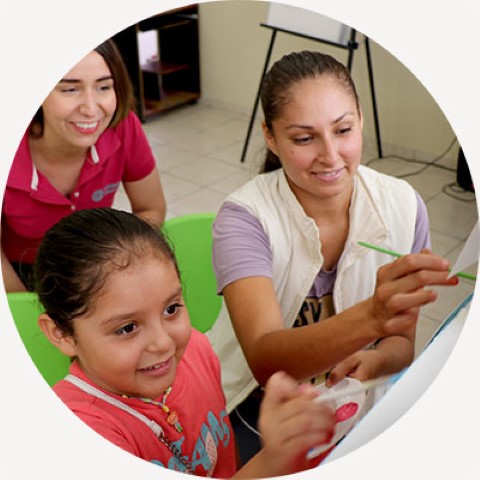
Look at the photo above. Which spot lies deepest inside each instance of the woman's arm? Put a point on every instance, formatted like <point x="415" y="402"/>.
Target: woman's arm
<point x="147" y="198"/>
<point x="391" y="354"/>
<point x="268" y="346"/>
<point x="11" y="280"/>
<point x="306" y="351"/>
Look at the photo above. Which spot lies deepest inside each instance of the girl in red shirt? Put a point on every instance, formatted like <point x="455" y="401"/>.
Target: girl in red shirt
<point x="141" y="377"/>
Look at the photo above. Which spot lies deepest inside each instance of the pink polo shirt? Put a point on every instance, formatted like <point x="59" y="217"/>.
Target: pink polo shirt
<point x="31" y="205"/>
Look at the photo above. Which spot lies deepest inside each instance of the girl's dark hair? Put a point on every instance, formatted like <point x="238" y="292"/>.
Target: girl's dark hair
<point x="77" y="255"/>
<point x="284" y="75"/>
<point x="121" y="84"/>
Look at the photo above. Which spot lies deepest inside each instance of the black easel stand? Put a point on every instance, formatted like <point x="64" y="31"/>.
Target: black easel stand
<point x="374" y="102"/>
<point x="351" y="46"/>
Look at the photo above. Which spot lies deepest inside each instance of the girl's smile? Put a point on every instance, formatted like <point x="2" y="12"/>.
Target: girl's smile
<point x="161" y="368"/>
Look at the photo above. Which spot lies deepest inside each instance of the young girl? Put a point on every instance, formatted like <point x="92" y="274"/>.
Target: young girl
<point x="141" y="376"/>
<point x="81" y="145"/>
<point x="288" y="242"/>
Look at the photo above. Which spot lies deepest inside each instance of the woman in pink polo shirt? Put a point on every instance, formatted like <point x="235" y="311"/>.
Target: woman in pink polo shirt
<point x="82" y="144"/>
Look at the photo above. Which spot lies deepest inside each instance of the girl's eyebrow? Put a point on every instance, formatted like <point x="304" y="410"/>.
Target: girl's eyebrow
<point x="118" y="318"/>
<point x="74" y="80"/>
<point x="175" y="295"/>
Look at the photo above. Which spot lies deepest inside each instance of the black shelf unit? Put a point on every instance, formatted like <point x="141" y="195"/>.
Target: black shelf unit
<point x="173" y="78"/>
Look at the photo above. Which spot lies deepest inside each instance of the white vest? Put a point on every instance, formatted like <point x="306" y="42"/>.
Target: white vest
<point x="383" y="212"/>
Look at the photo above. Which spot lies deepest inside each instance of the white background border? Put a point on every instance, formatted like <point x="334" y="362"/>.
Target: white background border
<point x="437" y="41"/>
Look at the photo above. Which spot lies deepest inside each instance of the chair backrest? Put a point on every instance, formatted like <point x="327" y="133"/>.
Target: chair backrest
<point x="191" y="239"/>
<point x="190" y="236"/>
<point x="51" y="363"/>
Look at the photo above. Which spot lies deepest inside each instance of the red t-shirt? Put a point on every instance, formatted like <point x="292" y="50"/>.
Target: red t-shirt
<point x="30" y="208"/>
<point x="196" y="396"/>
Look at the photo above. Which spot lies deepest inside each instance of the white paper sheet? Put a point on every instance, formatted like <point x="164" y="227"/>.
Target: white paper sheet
<point x="469" y="254"/>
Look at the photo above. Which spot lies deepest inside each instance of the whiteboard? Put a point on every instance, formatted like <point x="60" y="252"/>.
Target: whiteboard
<point x="409" y="387"/>
<point x="308" y="23"/>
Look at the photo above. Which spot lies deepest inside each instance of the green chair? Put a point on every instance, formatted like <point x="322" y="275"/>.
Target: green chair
<point x="190" y="237"/>
<point x="51" y="363"/>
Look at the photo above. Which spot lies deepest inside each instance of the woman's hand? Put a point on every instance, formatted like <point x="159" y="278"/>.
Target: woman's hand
<point x="401" y="291"/>
<point x="147" y="198"/>
<point x="390" y="355"/>
<point x="11" y="280"/>
<point x="362" y="365"/>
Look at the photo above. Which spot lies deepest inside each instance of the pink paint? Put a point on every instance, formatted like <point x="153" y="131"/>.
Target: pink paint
<point x="346" y="411"/>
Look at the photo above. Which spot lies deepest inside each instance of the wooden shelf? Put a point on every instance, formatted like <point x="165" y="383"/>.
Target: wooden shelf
<point x="164" y="68"/>
<point x="169" y="100"/>
<point x="173" y="79"/>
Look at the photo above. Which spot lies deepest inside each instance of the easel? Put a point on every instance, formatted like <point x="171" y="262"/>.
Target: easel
<point x="351" y="46"/>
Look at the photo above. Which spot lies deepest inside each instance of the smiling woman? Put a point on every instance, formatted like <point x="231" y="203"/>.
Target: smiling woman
<point x="301" y="295"/>
<point x="81" y="145"/>
<point x="81" y="106"/>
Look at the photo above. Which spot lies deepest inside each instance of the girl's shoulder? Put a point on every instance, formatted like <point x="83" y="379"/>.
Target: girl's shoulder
<point x="116" y="425"/>
<point x="200" y="357"/>
<point x="199" y="345"/>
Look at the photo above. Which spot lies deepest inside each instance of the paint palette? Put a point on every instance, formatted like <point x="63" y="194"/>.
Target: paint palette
<point x="348" y="396"/>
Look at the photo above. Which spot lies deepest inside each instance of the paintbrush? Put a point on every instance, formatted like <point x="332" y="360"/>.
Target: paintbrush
<point x="465" y="275"/>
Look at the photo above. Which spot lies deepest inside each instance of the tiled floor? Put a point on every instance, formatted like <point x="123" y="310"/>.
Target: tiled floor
<point x="198" y="148"/>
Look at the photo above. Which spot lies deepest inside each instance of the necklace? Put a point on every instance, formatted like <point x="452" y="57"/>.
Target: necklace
<point x="154" y="426"/>
<point x="172" y="416"/>
<point x="176" y="452"/>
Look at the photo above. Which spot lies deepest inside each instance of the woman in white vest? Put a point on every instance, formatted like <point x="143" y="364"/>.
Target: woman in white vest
<point x="286" y="250"/>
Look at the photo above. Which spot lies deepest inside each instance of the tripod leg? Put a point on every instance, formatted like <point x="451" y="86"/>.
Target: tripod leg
<point x="374" y="101"/>
<point x="257" y="99"/>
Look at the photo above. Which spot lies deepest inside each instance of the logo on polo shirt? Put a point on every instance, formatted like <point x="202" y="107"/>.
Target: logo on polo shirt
<point x="99" y="194"/>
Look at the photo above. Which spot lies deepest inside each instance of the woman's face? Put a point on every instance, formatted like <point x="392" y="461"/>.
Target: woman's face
<point x="318" y="138"/>
<point x="81" y="105"/>
<point x="134" y="338"/>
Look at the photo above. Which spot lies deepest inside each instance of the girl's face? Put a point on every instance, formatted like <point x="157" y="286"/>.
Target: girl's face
<point x="318" y="138"/>
<point x="81" y="105"/>
<point x="134" y="338"/>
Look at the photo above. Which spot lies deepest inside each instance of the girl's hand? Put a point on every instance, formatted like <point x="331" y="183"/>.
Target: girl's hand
<point x="291" y="423"/>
